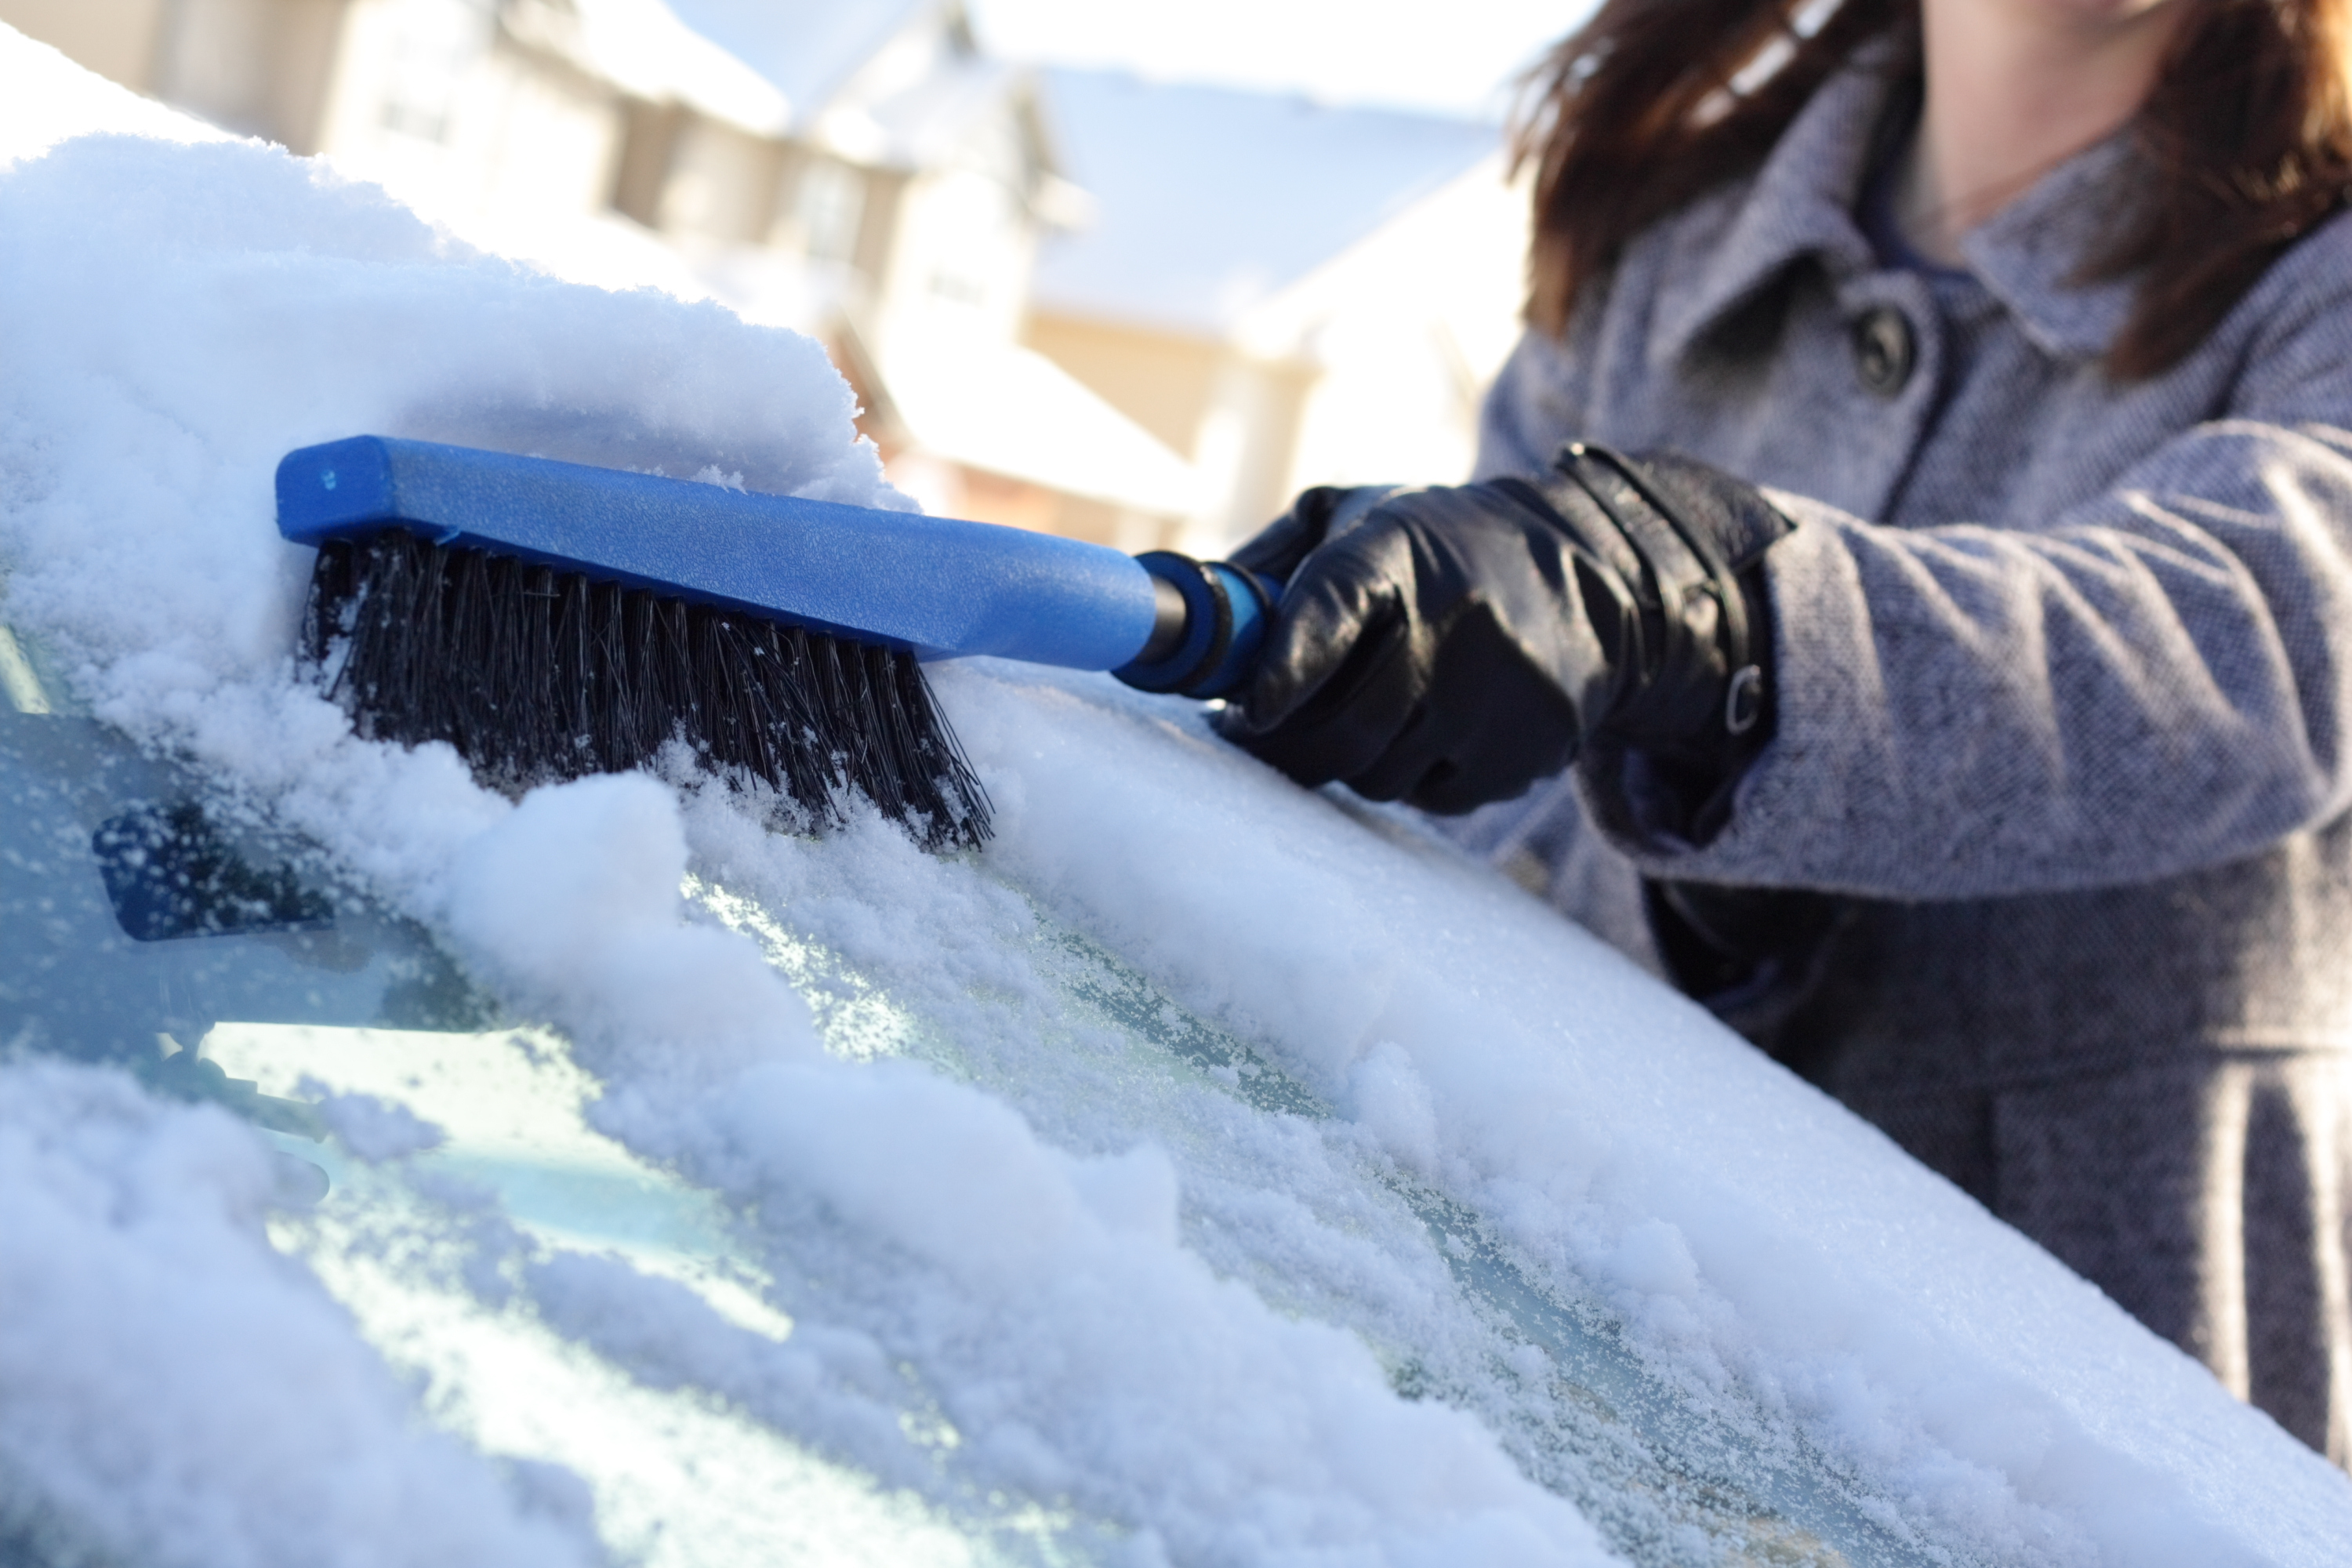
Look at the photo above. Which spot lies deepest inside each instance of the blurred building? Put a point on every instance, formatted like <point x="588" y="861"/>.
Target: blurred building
<point x="1073" y="303"/>
<point x="1288" y="294"/>
<point x="899" y="218"/>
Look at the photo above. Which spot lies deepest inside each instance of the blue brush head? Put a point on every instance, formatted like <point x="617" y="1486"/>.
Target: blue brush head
<point x="549" y="620"/>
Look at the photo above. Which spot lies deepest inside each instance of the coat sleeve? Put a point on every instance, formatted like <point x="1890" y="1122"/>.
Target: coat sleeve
<point x="2158" y="681"/>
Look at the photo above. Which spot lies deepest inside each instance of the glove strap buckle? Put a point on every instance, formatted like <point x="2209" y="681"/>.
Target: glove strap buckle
<point x="1743" y="699"/>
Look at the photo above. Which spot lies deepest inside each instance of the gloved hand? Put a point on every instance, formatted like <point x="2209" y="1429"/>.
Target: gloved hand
<point x="1456" y="645"/>
<point x="1316" y="515"/>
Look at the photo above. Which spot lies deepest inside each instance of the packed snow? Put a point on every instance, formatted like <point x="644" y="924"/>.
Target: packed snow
<point x="1132" y="1167"/>
<point x="173" y="1392"/>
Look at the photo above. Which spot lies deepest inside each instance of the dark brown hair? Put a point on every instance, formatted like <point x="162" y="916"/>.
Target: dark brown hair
<point x="2247" y="134"/>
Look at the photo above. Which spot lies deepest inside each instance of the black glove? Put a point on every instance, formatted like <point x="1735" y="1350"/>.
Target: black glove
<point x="1450" y="647"/>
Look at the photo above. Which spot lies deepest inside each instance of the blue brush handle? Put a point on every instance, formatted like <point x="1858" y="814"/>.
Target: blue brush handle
<point x="940" y="587"/>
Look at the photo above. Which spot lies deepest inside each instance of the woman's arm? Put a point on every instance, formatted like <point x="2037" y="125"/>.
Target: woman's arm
<point x="2158" y="681"/>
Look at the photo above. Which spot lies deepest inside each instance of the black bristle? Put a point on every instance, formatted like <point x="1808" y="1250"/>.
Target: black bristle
<point x="537" y="675"/>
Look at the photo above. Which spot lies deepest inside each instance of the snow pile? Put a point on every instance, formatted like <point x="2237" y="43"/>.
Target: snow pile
<point x="1078" y="1349"/>
<point x="173" y="1393"/>
<point x="376" y="1129"/>
<point x="179" y="316"/>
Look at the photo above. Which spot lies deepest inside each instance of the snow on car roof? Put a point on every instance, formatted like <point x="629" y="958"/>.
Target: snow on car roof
<point x="1225" y="1319"/>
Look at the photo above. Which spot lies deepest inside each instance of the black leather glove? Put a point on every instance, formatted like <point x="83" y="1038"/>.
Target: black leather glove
<point x="1450" y="647"/>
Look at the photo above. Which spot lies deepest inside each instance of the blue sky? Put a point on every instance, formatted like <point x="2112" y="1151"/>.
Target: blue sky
<point x="1456" y="57"/>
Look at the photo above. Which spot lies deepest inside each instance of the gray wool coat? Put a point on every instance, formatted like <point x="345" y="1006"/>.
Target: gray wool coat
<point x="2064" y="711"/>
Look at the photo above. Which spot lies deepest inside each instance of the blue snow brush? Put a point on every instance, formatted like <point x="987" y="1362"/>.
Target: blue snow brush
<point x="550" y="620"/>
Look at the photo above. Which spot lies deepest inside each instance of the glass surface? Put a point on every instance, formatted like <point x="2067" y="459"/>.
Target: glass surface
<point x="152" y="927"/>
<point x="1665" y="1482"/>
<point x="147" y="928"/>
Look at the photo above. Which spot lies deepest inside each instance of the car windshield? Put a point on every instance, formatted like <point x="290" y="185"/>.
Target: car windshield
<point x="222" y="965"/>
<point x="398" y="1170"/>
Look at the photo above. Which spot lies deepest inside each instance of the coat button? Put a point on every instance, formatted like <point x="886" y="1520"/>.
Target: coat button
<point x="1884" y="350"/>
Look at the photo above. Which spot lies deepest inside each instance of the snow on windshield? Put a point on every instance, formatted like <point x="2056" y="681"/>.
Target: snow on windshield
<point x="1212" y="1300"/>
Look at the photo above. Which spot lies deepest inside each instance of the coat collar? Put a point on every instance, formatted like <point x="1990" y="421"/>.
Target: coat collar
<point x="1802" y="203"/>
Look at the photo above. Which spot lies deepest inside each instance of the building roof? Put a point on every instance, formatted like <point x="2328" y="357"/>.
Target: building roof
<point x="808" y="49"/>
<point x="891" y="83"/>
<point x="643" y="47"/>
<point x="1211" y="200"/>
<point x="1011" y="411"/>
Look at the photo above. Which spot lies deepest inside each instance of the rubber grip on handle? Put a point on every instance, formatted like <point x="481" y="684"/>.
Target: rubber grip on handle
<point x="1227" y="609"/>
